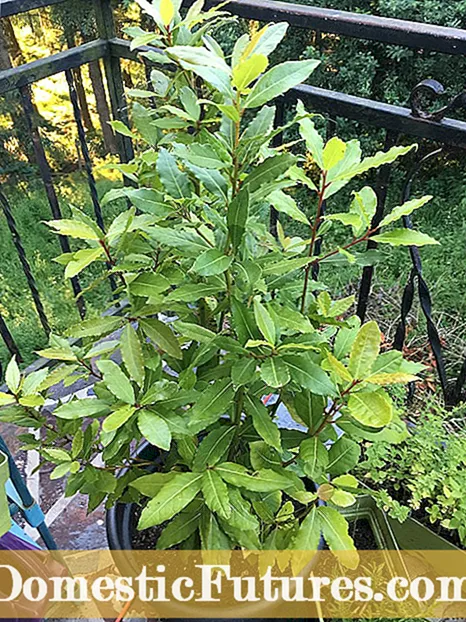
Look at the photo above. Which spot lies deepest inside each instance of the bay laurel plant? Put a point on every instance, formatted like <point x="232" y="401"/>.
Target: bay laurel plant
<point x="220" y="323"/>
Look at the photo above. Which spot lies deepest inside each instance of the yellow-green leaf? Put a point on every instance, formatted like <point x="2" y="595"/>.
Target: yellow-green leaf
<point x="334" y="152"/>
<point x="391" y="378"/>
<point x="13" y="375"/>
<point x="338" y="368"/>
<point x="74" y="229"/>
<point x="365" y="350"/>
<point x="167" y="11"/>
<point x="371" y="408"/>
<point x="248" y="70"/>
<point x="118" y="418"/>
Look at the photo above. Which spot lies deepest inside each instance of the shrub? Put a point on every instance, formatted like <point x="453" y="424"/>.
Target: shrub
<point x="217" y="313"/>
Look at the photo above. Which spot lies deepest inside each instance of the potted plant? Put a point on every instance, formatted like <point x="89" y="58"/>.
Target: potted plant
<point x="219" y="313"/>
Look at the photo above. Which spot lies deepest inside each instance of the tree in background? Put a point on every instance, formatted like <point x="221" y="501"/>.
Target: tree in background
<point x="78" y="26"/>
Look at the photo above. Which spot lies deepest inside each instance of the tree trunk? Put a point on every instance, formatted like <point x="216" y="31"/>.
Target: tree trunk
<point x="83" y="104"/>
<point x="9" y="49"/>
<point x="78" y="82"/>
<point x="103" y="109"/>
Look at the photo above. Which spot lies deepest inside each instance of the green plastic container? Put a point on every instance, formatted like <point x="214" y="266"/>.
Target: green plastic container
<point x="5" y="519"/>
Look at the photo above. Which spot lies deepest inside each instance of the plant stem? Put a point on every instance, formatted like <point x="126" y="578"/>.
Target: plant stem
<point x="315" y="229"/>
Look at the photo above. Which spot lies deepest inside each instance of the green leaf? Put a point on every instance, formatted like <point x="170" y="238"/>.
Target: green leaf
<point x="212" y="262"/>
<point x="80" y="408"/>
<point x="154" y="429"/>
<point x="213" y="403"/>
<point x="192" y="292"/>
<point x="315" y="457"/>
<point x="345" y="338"/>
<point x="131" y="351"/>
<point x="13" y="375"/>
<point x="248" y="70"/>
<point x="365" y="350"/>
<point x="274" y="372"/>
<point x="189" y="101"/>
<point x="270" y="38"/>
<point x="364" y="206"/>
<point x="212" y="537"/>
<point x="264" y="480"/>
<point x="213" y="447"/>
<point x="199" y="154"/>
<point x="179" y="529"/>
<point x="118" y="418"/>
<point x="173" y="497"/>
<point x="151" y="485"/>
<point x="189" y="243"/>
<point x="309" y="375"/>
<point x="117" y="382"/>
<point x="333" y="153"/>
<point x="287" y="205"/>
<point x="241" y="516"/>
<point x="308" y="535"/>
<point x="335" y="532"/>
<point x="74" y="229"/>
<point x="121" y="128"/>
<point x="195" y="332"/>
<point x="95" y="328"/>
<point x="243" y="321"/>
<point x="278" y="80"/>
<point x="343" y="456"/>
<point x="263" y="456"/>
<point x="160" y="82"/>
<point x="388" y="362"/>
<point x="371" y="408"/>
<point x="212" y="179"/>
<point x="243" y="371"/>
<point x="60" y="471"/>
<point x="57" y="455"/>
<point x="237" y="215"/>
<point x="215" y="493"/>
<point x="162" y="335"/>
<point x="264" y="322"/>
<point x="58" y="354"/>
<point x="148" y="284"/>
<point x="176" y="183"/>
<point x="314" y="141"/>
<point x="82" y="259"/>
<point x="375" y="161"/>
<point x="262" y="421"/>
<point x="404" y="210"/>
<point x="268" y="171"/>
<point x="404" y="237"/>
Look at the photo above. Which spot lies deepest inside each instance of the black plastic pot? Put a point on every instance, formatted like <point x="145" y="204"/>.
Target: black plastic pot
<point x="121" y="523"/>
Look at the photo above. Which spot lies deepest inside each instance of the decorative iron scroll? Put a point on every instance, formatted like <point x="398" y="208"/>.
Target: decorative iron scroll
<point x="451" y="397"/>
<point x="436" y="90"/>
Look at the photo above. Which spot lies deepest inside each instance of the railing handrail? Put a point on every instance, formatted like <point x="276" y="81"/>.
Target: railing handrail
<point x="379" y="114"/>
<point x="28" y="73"/>
<point x="388" y="30"/>
<point x="356" y="25"/>
<point x="14" y="7"/>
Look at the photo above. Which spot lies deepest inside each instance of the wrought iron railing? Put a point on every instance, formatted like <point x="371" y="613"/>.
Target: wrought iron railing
<point x="395" y="120"/>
